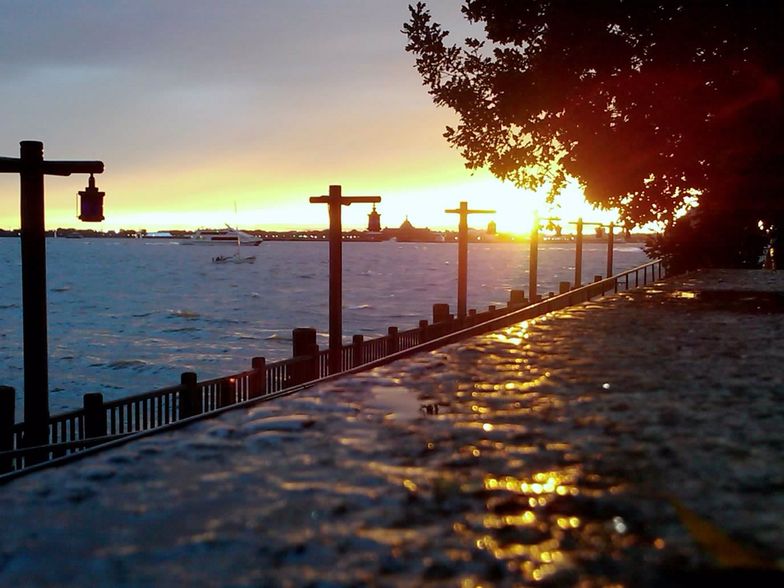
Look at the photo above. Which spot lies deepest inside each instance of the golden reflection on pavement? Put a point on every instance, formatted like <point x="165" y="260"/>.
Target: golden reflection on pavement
<point x="519" y="531"/>
<point x="683" y="294"/>
<point x="514" y="335"/>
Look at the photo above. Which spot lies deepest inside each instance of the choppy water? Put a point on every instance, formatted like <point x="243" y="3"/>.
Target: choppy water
<point x="126" y="316"/>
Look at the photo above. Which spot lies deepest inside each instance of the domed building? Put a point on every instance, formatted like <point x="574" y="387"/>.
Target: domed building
<point x="408" y="233"/>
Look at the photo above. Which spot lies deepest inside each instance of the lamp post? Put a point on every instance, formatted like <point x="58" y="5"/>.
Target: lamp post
<point x="533" y="257"/>
<point x="578" y="264"/>
<point x="462" y="255"/>
<point x="578" y="253"/>
<point x="335" y="200"/>
<point x="32" y="168"/>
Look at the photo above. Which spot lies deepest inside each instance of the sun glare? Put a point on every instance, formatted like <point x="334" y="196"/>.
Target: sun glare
<point x="208" y="198"/>
<point x="515" y="208"/>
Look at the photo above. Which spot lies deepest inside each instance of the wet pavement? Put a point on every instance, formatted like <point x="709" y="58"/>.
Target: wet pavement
<point x="635" y="441"/>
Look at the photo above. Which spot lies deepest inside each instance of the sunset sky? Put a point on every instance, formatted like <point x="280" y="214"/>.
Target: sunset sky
<point x="199" y="106"/>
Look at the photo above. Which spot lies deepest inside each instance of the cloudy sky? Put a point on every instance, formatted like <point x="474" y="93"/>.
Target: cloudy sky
<point x="198" y="106"/>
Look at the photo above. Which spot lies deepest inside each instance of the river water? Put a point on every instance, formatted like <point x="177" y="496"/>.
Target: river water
<point x="127" y="316"/>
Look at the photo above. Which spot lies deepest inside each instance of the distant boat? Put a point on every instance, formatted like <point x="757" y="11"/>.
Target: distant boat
<point x="227" y="236"/>
<point x="236" y="258"/>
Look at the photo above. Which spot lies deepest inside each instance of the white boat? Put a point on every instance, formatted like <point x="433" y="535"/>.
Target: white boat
<point x="227" y="236"/>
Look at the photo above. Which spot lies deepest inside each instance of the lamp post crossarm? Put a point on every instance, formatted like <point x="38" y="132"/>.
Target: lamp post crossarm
<point x="10" y="165"/>
<point x="467" y="211"/>
<point x="15" y="165"/>
<point x="584" y="223"/>
<point x="66" y="168"/>
<point x="344" y="200"/>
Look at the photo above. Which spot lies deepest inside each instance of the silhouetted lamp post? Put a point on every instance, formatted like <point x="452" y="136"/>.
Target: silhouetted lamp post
<point x="533" y="258"/>
<point x="32" y="168"/>
<point x="462" y="255"/>
<point x="578" y="264"/>
<point x="578" y="253"/>
<point x="335" y="200"/>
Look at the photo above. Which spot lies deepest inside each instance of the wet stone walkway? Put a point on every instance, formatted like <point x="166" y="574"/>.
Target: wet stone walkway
<point x="636" y="441"/>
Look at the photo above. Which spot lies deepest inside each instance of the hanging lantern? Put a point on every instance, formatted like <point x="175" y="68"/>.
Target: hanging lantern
<point x="91" y="205"/>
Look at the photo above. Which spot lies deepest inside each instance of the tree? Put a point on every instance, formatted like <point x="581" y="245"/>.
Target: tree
<point x="652" y="105"/>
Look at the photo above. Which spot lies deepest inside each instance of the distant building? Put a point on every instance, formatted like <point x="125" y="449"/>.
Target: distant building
<point x="491" y="228"/>
<point x="408" y="233"/>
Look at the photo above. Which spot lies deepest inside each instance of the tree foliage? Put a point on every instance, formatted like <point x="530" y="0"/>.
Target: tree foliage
<point x="648" y="103"/>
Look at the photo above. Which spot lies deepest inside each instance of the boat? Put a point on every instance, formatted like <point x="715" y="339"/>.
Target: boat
<point x="239" y="238"/>
<point x="227" y="236"/>
<point x="236" y="258"/>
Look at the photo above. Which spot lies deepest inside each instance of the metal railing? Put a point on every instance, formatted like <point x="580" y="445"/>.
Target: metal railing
<point x="98" y="422"/>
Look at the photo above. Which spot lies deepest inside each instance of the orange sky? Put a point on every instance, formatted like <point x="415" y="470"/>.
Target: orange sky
<point x="197" y="107"/>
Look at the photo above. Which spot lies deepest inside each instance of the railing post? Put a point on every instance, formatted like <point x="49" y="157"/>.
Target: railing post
<point x="94" y="415"/>
<point x="228" y="392"/>
<point x="259" y="381"/>
<point x="563" y="287"/>
<point x="357" y="348"/>
<point x="516" y="297"/>
<point x="7" y="412"/>
<point x="303" y="343"/>
<point x="596" y="291"/>
<point x="441" y="319"/>
<point x="190" y="398"/>
<point x="610" y="247"/>
<point x="423" y="331"/>
<point x="441" y="313"/>
<point x="393" y="343"/>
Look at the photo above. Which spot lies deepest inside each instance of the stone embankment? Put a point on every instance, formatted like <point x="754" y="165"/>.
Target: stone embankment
<point x="636" y="440"/>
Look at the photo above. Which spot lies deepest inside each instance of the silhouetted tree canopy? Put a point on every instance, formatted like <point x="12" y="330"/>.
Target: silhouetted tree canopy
<point x="646" y="102"/>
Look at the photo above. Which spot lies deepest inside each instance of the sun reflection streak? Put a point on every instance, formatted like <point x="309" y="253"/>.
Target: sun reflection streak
<point x="514" y="335"/>
<point x="531" y="539"/>
<point x="553" y="483"/>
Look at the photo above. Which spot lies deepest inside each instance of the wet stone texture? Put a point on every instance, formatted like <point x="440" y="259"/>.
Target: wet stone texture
<point x="633" y="441"/>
